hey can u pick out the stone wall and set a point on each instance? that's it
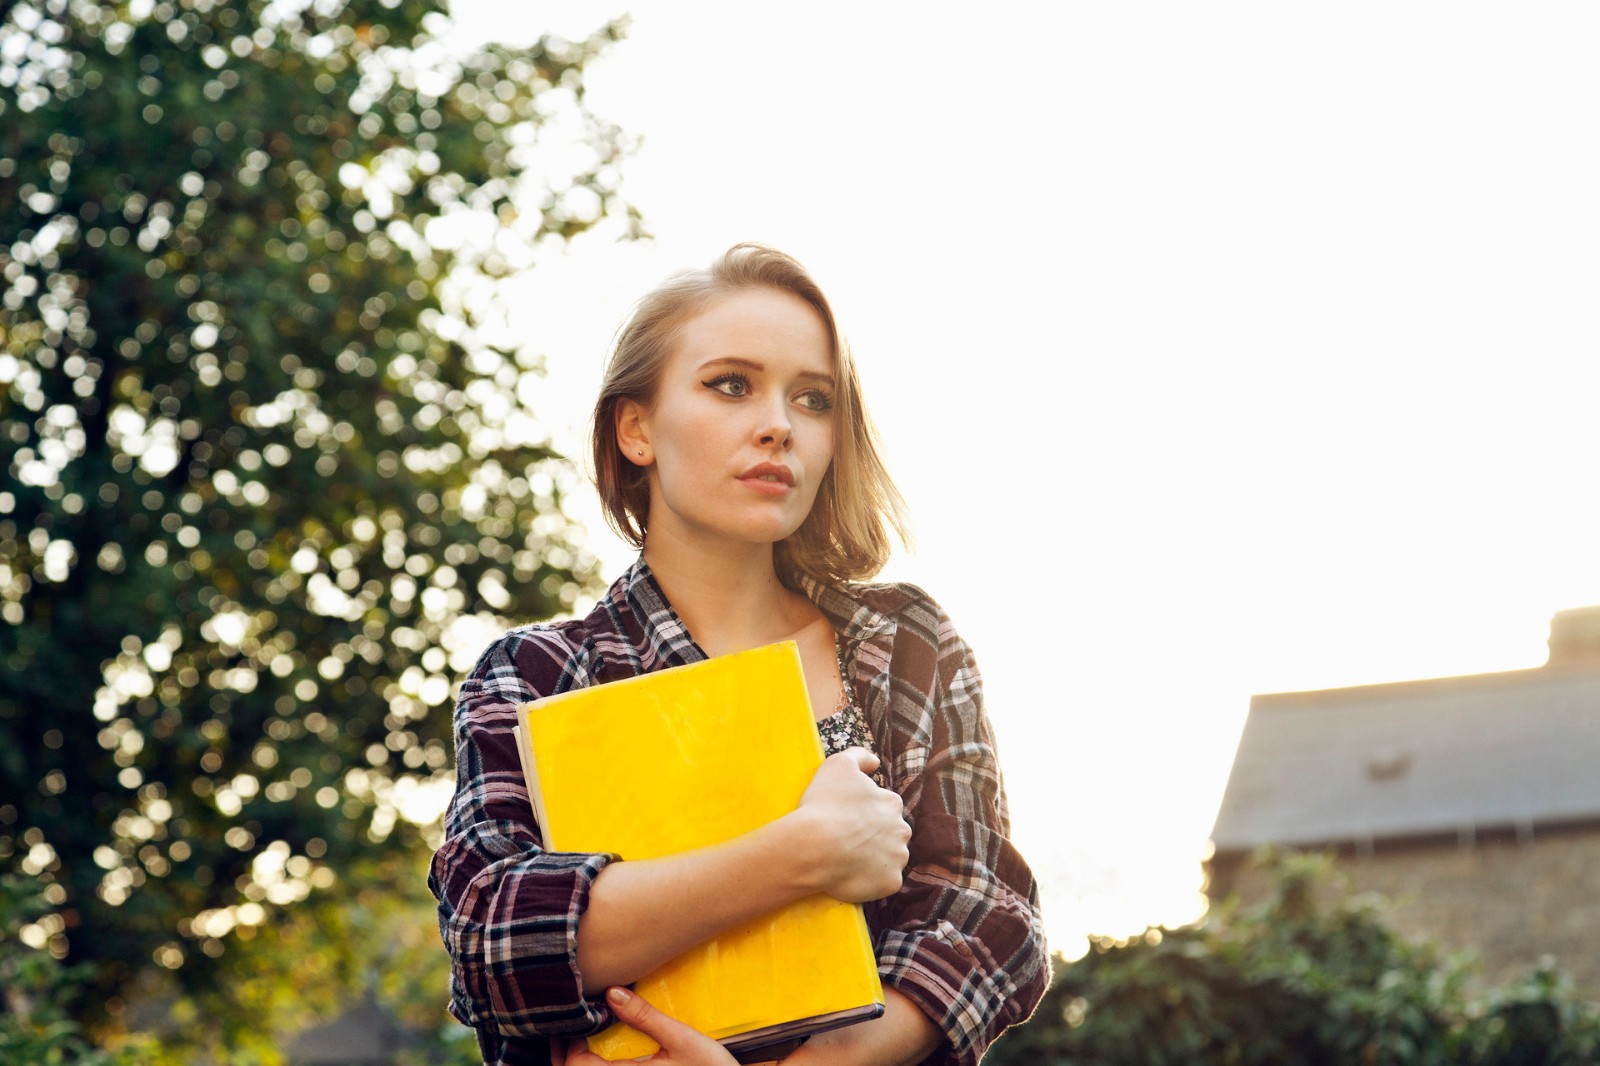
(1509, 900)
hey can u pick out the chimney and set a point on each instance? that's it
(1575, 638)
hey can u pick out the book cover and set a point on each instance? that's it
(687, 757)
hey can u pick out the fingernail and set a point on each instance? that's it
(619, 995)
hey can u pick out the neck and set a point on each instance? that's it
(729, 599)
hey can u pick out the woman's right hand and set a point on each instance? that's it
(681, 1045)
(859, 830)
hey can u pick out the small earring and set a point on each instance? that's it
(640, 453)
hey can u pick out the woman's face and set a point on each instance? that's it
(740, 432)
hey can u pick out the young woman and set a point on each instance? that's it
(731, 445)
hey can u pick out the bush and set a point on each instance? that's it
(34, 1025)
(1307, 975)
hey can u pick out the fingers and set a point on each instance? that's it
(870, 836)
(858, 830)
(864, 760)
(681, 1045)
(632, 1008)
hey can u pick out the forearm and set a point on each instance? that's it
(901, 1037)
(644, 913)
(847, 839)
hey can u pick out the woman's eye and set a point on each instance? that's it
(729, 385)
(816, 401)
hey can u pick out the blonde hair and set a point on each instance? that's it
(846, 537)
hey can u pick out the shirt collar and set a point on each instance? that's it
(855, 619)
(666, 637)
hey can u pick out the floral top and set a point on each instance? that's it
(846, 727)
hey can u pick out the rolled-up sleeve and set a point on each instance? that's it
(509, 909)
(964, 937)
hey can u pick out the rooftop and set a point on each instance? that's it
(1453, 755)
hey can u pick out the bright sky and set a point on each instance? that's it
(1220, 349)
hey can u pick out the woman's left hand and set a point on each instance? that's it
(681, 1045)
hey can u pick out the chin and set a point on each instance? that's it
(767, 533)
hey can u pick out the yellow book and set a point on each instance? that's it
(683, 758)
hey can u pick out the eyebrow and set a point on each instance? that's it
(751, 364)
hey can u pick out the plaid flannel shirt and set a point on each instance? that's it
(962, 938)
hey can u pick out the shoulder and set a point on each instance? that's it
(902, 632)
(532, 646)
(927, 694)
(910, 611)
(523, 663)
(550, 657)
(890, 597)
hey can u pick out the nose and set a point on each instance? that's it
(774, 429)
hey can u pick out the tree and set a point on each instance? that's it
(268, 480)
(35, 1028)
(1307, 975)
(369, 941)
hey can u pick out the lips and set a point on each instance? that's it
(768, 477)
(769, 473)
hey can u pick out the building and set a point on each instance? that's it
(1471, 803)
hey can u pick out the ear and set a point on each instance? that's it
(633, 435)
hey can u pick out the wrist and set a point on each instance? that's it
(793, 841)
(836, 1048)
(903, 1036)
